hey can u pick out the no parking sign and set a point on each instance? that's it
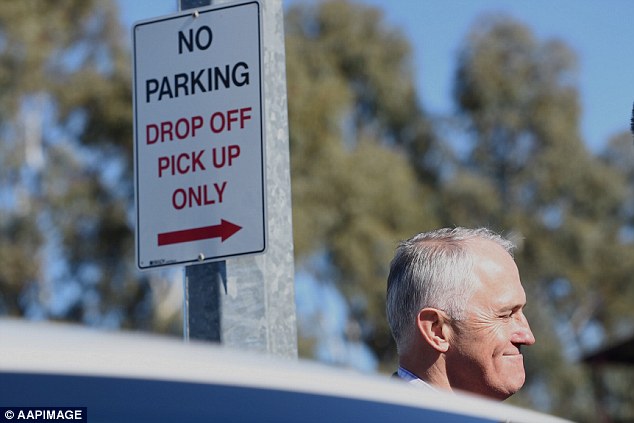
(198, 136)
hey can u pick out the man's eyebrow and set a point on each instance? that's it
(512, 307)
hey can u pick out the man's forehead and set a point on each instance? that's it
(498, 277)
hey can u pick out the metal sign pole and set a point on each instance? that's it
(191, 4)
(201, 311)
(249, 302)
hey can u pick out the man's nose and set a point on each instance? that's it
(523, 334)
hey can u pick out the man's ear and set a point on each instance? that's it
(434, 328)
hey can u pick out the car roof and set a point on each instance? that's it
(79, 354)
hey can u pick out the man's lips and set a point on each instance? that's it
(516, 351)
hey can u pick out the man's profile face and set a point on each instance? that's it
(484, 356)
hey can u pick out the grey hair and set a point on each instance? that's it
(433, 269)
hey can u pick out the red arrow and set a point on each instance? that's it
(222, 231)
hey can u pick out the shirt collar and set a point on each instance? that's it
(414, 380)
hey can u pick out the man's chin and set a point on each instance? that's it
(512, 385)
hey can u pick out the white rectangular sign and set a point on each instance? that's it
(198, 135)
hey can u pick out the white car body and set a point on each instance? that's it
(132, 377)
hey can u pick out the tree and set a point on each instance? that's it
(529, 172)
(66, 245)
(353, 113)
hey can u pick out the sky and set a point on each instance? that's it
(600, 33)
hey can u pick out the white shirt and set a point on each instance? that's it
(414, 380)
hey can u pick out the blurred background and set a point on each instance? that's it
(403, 117)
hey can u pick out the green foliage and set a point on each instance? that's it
(519, 96)
(352, 107)
(66, 244)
